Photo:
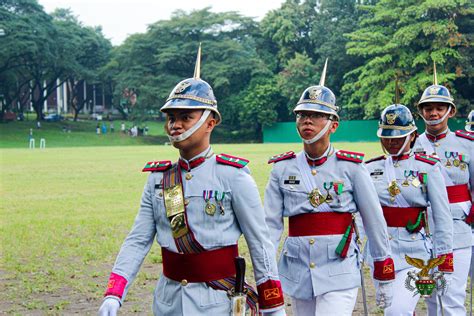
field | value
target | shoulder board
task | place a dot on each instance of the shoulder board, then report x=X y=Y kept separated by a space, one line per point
x=157 y=166
x=231 y=160
x=280 y=157
x=465 y=134
x=376 y=159
x=350 y=156
x=426 y=158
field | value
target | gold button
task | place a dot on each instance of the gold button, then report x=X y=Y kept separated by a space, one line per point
x=390 y=237
x=186 y=201
x=313 y=172
x=184 y=282
x=413 y=237
x=312 y=265
x=189 y=176
x=311 y=241
x=160 y=194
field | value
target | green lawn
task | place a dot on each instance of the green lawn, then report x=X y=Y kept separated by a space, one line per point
x=82 y=133
x=65 y=212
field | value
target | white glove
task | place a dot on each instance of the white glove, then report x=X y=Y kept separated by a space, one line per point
x=110 y=306
x=384 y=294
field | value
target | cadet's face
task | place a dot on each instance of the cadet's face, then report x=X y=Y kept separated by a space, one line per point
x=435 y=111
x=179 y=121
x=310 y=123
x=393 y=145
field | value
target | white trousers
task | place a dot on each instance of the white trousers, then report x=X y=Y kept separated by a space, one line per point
x=404 y=303
x=338 y=303
x=453 y=300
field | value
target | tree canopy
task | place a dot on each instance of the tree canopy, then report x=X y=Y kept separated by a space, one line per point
x=258 y=70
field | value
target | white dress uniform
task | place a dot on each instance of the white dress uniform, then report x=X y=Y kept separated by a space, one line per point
x=421 y=184
x=238 y=211
x=455 y=151
x=197 y=210
x=311 y=267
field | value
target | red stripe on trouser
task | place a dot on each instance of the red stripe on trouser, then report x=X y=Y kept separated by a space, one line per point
x=314 y=224
x=200 y=267
x=458 y=193
x=399 y=216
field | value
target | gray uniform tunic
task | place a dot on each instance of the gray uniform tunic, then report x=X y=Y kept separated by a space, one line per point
x=243 y=214
x=443 y=148
x=402 y=242
x=309 y=265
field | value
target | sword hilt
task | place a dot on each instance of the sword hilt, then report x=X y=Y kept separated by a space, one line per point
x=239 y=274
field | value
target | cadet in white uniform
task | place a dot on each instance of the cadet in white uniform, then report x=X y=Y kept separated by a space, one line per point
x=320 y=189
x=455 y=151
x=406 y=185
x=197 y=209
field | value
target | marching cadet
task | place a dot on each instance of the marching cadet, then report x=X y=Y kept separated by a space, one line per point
x=197 y=208
x=320 y=189
x=406 y=185
x=455 y=151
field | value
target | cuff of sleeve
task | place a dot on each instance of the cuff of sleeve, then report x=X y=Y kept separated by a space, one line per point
x=448 y=264
x=384 y=270
x=116 y=285
x=270 y=295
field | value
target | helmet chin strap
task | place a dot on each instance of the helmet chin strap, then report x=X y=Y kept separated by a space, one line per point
x=318 y=136
x=189 y=132
x=407 y=139
x=436 y=122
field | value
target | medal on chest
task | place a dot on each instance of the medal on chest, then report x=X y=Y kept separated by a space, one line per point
x=394 y=190
x=327 y=187
x=219 y=201
x=316 y=198
x=210 y=208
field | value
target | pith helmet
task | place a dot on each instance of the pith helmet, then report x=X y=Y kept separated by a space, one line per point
x=396 y=121
x=436 y=93
x=193 y=93
x=470 y=121
x=318 y=98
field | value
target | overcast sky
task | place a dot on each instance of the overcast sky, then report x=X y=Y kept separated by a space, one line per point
x=120 y=18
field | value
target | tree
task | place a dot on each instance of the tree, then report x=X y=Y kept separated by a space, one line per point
x=260 y=103
x=299 y=74
x=88 y=51
x=314 y=29
x=153 y=63
x=402 y=38
x=41 y=51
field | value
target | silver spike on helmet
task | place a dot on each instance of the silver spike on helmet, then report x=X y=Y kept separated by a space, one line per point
x=193 y=93
x=318 y=98
x=436 y=93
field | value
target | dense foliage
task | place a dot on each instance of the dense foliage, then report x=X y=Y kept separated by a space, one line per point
x=258 y=69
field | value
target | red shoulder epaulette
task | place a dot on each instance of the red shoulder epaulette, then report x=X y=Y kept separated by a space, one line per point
x=427 y=158
x=350 y=156
x=157 y=166
x=231 y=160
x=280 y=157
x=376 y=159
x=465 y=134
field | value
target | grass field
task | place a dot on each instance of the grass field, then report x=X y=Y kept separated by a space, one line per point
x=65 y=212
x=82 y=133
